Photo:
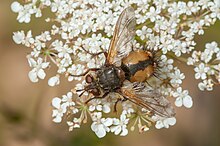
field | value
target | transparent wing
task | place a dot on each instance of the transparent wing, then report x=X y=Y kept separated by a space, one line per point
x=122 y=38
x=148 y=98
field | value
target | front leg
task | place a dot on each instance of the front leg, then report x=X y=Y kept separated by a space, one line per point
x=86 y=72
x=95 y=54
x=97 y=97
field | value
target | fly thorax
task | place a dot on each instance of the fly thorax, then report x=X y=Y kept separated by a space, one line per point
x=109 y=78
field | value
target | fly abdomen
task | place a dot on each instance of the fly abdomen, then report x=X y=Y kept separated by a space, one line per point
x=138 y=66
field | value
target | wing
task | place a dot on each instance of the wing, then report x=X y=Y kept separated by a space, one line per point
x=122 y=38
x=148 y=98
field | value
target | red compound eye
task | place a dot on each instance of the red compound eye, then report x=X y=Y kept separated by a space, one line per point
x=89 y=79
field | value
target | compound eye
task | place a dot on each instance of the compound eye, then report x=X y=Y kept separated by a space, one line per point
x=95 y=92
x=89 y=79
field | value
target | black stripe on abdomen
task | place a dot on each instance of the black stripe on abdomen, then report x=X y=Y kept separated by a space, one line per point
x=130 y=70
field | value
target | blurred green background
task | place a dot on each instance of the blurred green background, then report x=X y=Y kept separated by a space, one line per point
x=25 y=108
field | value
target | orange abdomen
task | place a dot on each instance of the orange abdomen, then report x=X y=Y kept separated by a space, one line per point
x=138 y=66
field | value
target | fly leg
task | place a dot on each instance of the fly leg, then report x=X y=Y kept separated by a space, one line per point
x=132 y=47
x=115 y=105
x=95 y=54
x=97 y=97
x=148 y=83
x=83 y=74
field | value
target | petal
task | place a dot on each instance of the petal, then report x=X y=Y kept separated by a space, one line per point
x=54 y=81
x=124 y=132
x=64 y=107
x=91 y=108
x=179 y=102
x=113 y=128
x=159 y=125
x=99 y=107
x=29 y=35
x=94 y=126
x=100 y=131
x=70 y=94
x=116 y=121
x=54 y=113
x=108 y=122
x=99 y=115
x=45 y=65
x=56 y=102
x=118 y=130
x=106 y=109
x=64 y=98
x=197 y=75
x=33 y=76
x=58 y=119
x=166 y=123
x=39 y=61
x=41 y=74
x=187 y=102
x=172 y=121
x=32 y=62
x=122 y=117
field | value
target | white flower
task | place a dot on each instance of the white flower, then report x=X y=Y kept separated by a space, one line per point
x=201 y=71
x=127 y=108
x=195 y=58
x=18 y=37
x=142 y=33
x=24 y=14
x=74 y=124
x=37 y=71
x=166 y=42
x=64 y=51
x=59 y=110
x=67 y=99
x=213 y=47
x=182 y=98
x=99 y=105
x=206 y=84
x=53 y=81
x=153 y=14
x=45 y=36
x=80 y=86
x=66 y=61
x=75 y=70
x=105 y=43
x=206 y=56
x=165 y=123
x=166 y=63
x=176 y=77
x=100 y=125
x=120 y=125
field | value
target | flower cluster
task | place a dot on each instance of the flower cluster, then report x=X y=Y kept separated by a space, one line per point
x=207 y=66
x=82 y=28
